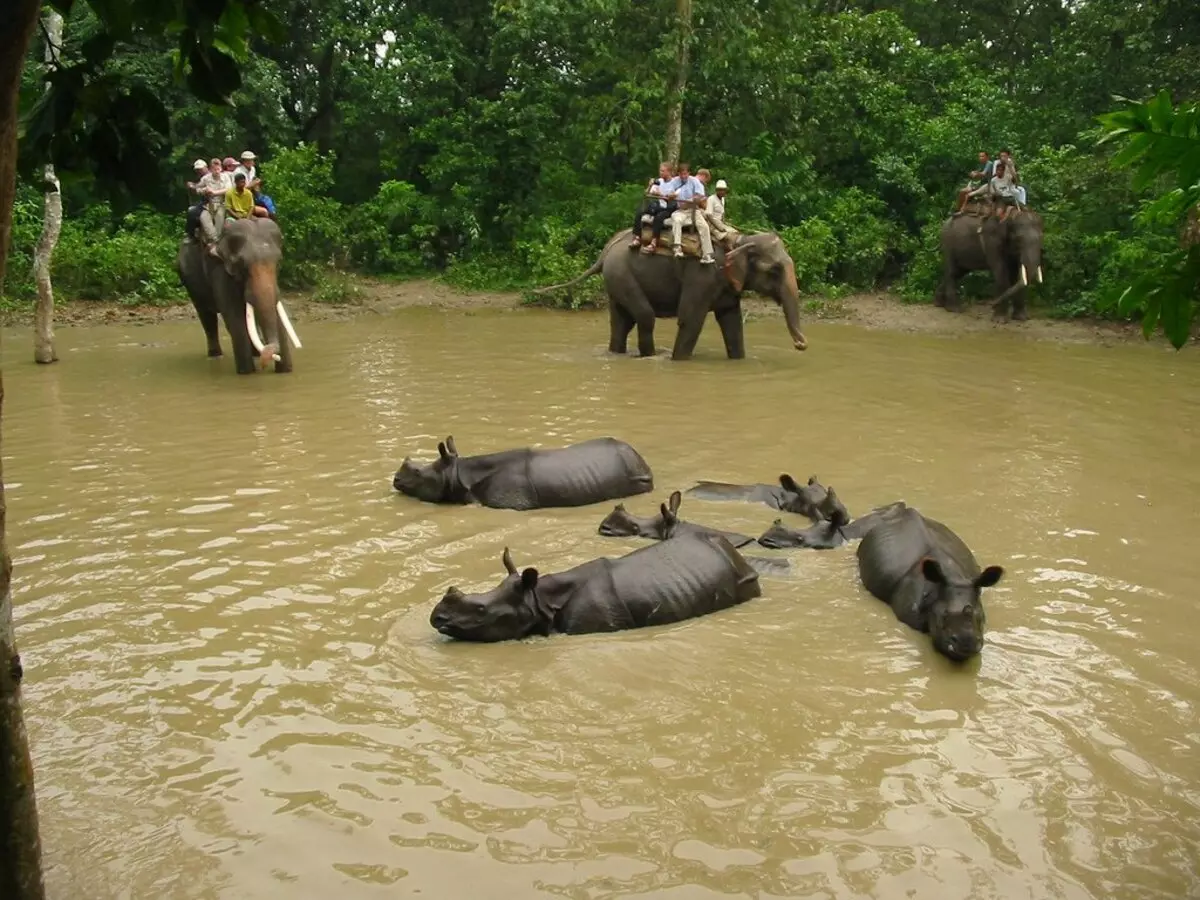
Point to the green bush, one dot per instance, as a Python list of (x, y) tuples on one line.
[(812, 246), (314, 225)]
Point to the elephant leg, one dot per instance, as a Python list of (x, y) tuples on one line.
[(948, 289), (730, 323), (234, 314), (212, 334), (637, 306), (692, 310), (620, 323)]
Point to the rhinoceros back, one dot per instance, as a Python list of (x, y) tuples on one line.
[(589, 472), (680, 578)]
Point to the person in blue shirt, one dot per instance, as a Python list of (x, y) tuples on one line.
[(264, 206), (687, 190), (654, 205)]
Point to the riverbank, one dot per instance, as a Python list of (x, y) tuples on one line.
[(361, 296)]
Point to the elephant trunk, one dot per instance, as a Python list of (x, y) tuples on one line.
[(790, 301), (262, 297)]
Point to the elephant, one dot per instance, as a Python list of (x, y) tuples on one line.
[(692, 575), (644, 287), (1011, 250), (242, 288), (588, 472), (667, 524), (831, 533), (930, 579), (813, 499)]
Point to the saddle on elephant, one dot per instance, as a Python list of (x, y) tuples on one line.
[(690, 237), (988, 208)]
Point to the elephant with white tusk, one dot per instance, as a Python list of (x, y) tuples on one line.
[(242, 287), (1011, 250)]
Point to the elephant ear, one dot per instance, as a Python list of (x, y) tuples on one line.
[(737, 266)]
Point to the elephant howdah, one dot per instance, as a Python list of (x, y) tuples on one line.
[(829, 534), (689, 576), (644, 287), (929, 578), (1011, 250), (813, 499), (242, 288), (588, 472), (667, 524)]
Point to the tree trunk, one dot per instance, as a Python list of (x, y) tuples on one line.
[(683, 15), (43, 317), (20, 847)]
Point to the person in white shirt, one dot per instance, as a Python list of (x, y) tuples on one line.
[(688, 192), (248, 168), (214, 186), (715, 210)]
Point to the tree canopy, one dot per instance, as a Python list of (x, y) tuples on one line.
[(504, 141)]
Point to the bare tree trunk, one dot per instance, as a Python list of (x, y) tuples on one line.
[(683, 14), (43, 317), (20, 846)]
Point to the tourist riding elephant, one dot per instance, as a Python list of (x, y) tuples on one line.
[(642, 287), (1011, 250), (241, 287)]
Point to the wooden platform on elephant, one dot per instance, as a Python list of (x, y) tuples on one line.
[(985, 209), (689, 239)]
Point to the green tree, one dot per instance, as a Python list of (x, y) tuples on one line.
[(1162, 145)]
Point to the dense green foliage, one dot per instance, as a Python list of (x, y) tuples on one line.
[(1160, 140), (505, 141)]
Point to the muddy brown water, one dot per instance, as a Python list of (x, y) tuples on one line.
[(234, 691)]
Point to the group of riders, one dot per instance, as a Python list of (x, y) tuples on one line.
[(679, 197), (225, 189), (1001, 185)]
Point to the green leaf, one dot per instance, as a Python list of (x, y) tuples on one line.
[(1177, 317)]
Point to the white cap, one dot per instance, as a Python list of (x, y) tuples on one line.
[(246, 154), (199, 164), (721, 184)]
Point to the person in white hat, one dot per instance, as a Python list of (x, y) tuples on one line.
[(715, 212), (248, 169), (200, 168)]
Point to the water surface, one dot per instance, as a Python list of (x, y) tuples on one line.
[(234, 691)]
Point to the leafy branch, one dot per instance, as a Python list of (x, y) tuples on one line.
[(1162, 142)]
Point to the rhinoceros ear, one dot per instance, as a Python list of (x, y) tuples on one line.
[(508, 562), (989, 576), (443, 452), (529, 579), (673, 502), (450, 445), (789, 483), (932, 570)]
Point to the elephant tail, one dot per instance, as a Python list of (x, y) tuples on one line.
[(593, 269)]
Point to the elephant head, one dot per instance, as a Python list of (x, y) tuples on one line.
[(761, 263), (1025, 244), (251, 250)]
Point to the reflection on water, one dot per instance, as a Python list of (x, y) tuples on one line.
[(234, 691)]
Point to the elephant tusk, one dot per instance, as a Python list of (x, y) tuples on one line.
[(252, 328), (1039, 274), (287, 325), (1024, 275)]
